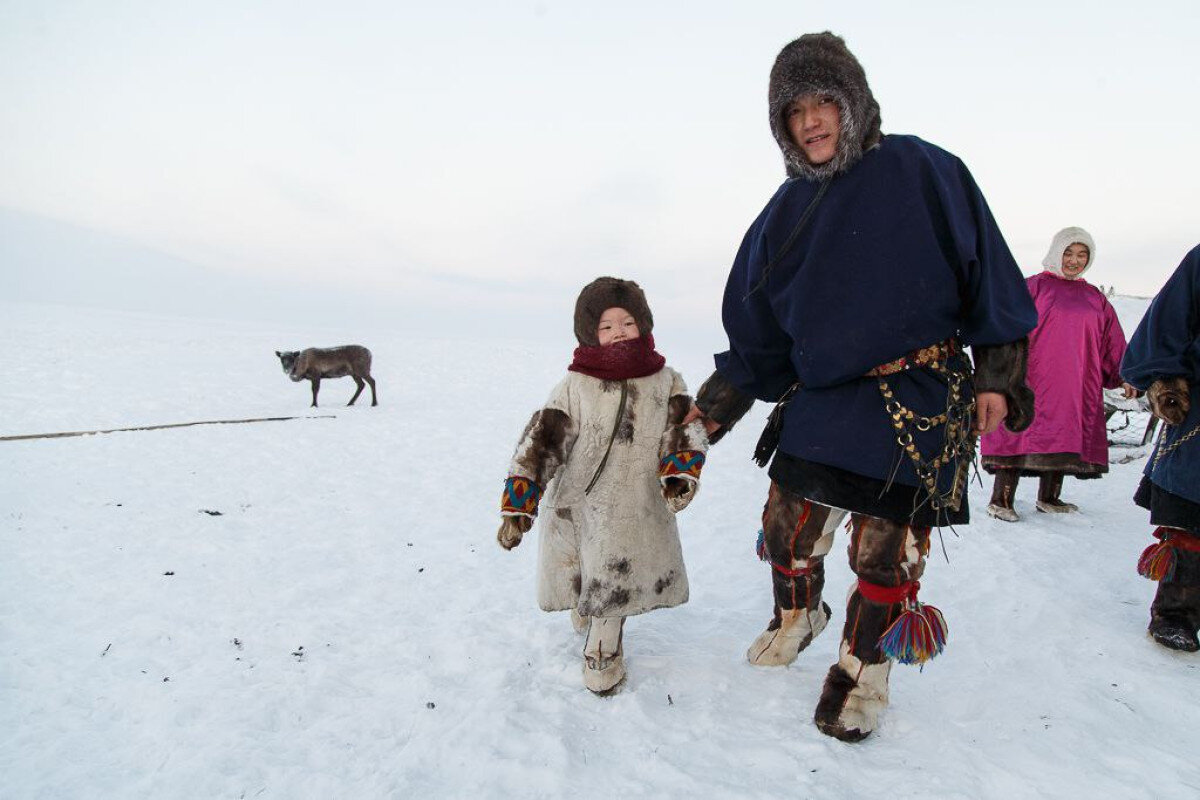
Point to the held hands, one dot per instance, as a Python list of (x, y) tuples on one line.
[(710, 426), (1168, 398), (512, 528), (678, 492)]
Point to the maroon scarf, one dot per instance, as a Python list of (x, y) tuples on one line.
[(632, 358)]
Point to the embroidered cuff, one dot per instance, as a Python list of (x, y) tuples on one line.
[(684, 464), (520, 496)]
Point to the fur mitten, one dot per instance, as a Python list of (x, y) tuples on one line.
[(678, 492), (1168, 398), (512, 528), (722, 402)]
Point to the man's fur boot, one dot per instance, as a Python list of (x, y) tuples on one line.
[(854, 694), (603, 655), (1175, 612), (791, 631)]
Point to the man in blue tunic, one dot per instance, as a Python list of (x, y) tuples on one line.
[(1163, 358), (849, 304)]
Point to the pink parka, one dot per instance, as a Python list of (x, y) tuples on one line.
[(1074, 353)]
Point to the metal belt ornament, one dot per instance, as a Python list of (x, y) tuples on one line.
[(959, 442)]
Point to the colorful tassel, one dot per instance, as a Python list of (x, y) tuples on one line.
[(761, 547), (1157, 562), (918, 634)]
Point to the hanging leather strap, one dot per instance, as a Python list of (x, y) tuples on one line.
[(616, 426), (612, 437)]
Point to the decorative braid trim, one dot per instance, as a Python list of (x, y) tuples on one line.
[(681, 464), (521, 496), (933, 355)]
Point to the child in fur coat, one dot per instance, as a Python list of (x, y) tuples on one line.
[(608, 461)]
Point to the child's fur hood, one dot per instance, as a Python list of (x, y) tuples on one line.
[(603, 294)]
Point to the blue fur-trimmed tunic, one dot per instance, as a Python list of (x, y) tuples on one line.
[(901, 253), (1167, 344)]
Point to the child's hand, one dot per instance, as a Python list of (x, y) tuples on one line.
[(512, 529), (678, 493)]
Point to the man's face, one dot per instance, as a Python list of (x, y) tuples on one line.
[(1075, 260), (815, 121)]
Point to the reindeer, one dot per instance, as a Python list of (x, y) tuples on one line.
[(316, 363)]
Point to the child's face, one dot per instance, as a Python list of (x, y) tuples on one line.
[(616, 325)]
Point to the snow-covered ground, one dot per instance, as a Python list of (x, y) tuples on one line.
[(317, 608)]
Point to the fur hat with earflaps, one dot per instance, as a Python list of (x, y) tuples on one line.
[(820, 63), (603, 294), (1064, 239)]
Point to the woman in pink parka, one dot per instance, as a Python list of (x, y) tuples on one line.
[(1074, 354)]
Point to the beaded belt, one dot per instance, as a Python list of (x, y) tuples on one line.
[(934, 356)]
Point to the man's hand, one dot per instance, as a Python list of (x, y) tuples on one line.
[(710, 426), (1169, 400), (512, 528), (990, 410), (1129, 390)]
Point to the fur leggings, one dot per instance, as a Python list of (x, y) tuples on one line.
[(798, 534)]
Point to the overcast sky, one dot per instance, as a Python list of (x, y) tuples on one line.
[(487, 159)]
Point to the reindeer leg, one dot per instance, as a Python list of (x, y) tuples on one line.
[(359, 383), (316, 384), (375, 402)]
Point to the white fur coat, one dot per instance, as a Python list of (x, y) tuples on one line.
[(615, 551)]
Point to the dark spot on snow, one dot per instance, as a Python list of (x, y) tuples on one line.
[(430, 705), (420, 569), (211, 513), (165, 680), (237, 643), (619, 566), (168, 572), (563, 513), (663, 582)]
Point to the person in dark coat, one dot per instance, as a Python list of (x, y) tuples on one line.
[(849, 304), (1163, 358)]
